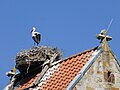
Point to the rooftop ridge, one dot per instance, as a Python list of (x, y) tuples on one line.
[(73, 56)]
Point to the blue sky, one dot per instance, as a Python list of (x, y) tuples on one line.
[(70, 25)]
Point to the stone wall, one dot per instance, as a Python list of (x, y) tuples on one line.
[(104, 74)]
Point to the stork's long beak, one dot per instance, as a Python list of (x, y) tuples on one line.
[(31, 31)]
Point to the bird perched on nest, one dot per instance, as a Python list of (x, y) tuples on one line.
[(36, 36)]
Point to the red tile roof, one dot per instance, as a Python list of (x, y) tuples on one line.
[(62, 73)]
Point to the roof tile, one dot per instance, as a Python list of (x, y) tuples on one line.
[(68, 69)]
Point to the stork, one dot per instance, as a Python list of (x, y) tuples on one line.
[(36, 36)]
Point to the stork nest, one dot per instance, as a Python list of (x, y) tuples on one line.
[(36, 56)]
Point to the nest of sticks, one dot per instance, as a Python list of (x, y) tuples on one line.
[(36, 56)]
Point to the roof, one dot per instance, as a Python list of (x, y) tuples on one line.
[(61, 73)]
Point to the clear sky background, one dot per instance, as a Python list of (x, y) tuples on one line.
[(70, 25)]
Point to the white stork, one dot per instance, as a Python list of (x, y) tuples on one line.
[(36, 36)]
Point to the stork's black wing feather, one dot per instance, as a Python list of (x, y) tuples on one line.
[(38, 37)]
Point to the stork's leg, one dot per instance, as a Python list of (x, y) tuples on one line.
[(37, 44), (34, 43)]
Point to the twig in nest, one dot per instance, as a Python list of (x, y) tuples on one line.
[(28, 66)]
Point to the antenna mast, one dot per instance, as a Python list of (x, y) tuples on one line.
[(109, 25)]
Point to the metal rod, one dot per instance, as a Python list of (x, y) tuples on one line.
[(109, 25)]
